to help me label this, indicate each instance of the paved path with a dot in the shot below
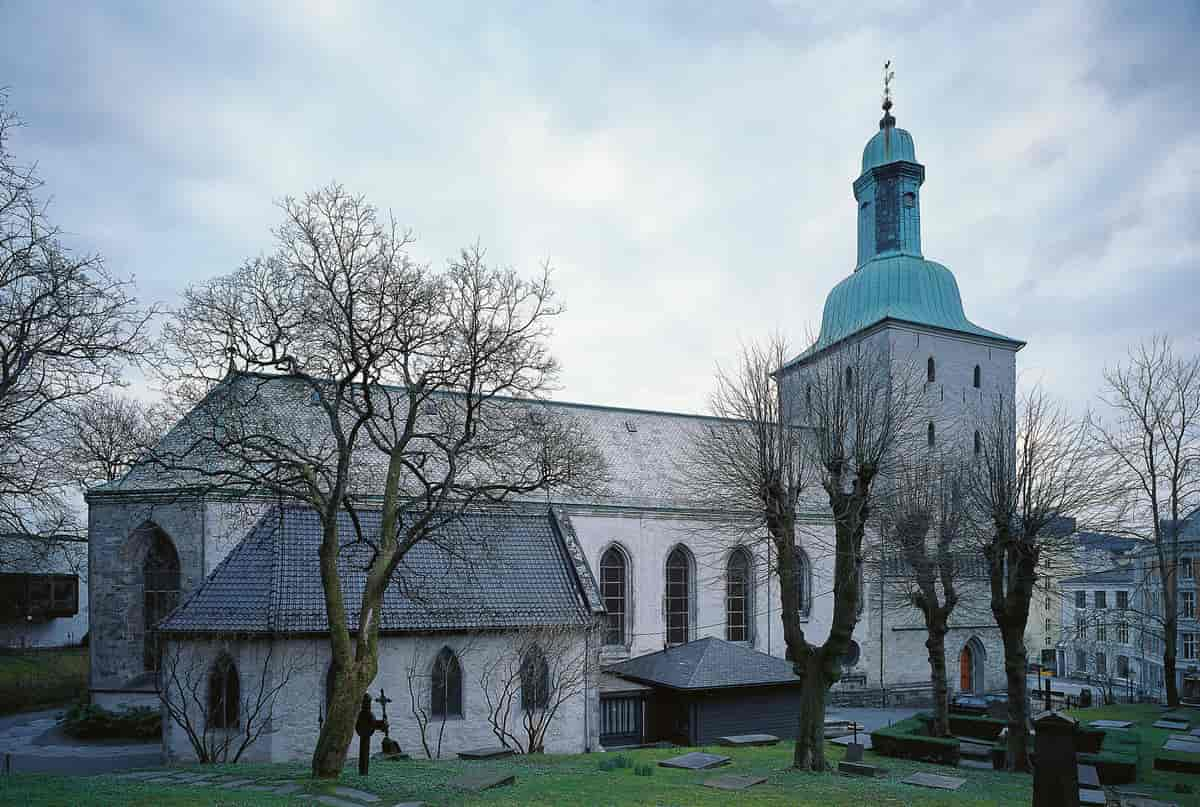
(341, 795)
(29, 744)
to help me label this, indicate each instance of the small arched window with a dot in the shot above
(737, 597)
(614, 577)
(445, 686)
(977, 377)
(978, 443)
(224, 694)
(931, 370)
(932, 436)
(679, 596)
(535, 680)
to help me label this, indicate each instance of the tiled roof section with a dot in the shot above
(641, 448)
(708, 663)
(1118, 576)
(1115, 544)
(481, 570)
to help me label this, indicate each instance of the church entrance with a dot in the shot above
(971, 667)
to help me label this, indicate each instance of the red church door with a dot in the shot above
(964, 670)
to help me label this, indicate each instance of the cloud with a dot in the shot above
(687, 170)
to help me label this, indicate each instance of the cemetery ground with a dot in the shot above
(40, 678)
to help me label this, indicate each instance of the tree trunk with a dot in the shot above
(1017, 758)
(936, 645)
(1169, 650)
(809, 753)
(337, 731)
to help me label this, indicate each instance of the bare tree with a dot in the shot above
(930, 564)
(106, 434)
(67, 328)
(535, 674)
(1154, 442)
(312, 334)
(827, 430)
(1035, 465)
(222, 712)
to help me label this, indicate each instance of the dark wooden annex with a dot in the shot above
(700, 691)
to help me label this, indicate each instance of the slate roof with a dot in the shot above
(482, 570)
(1114, 544)
(1119, 575)
(642, 448)
(708, 663)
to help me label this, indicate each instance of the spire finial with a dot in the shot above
(888, 75)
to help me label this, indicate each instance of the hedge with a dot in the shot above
(87, 722)
(1113, 768)
(1115, 754)
(1177, 762)
(907, 740)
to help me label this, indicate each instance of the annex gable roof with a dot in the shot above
(481, 570)
(708, 663)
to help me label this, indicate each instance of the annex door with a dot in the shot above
(964, 670)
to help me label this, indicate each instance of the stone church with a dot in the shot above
(171, 565)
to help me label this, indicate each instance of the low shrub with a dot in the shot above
(86, 721)
(615, 763)
(644, 770)
(976, 727)
(907, 740)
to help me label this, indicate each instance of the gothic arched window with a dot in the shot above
(535, 680)
(679, 595)
(737, 596)
(932, 436)
(931, 370)
(224, 694)
(445, 686)
(977, 377)
(160, 593)
(978, 443)
(803, 581)
(614, 587)
(849, 377)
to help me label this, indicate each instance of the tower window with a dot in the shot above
(932, 436)
(849, 377)
(978, 443)
(910, 199)
(808, 396)
(931, 370)
(975, 380)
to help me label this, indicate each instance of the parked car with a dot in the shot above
(969, 705)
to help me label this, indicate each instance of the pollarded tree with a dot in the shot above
(106, 434)
(781, 445)
(339, 373)
(1035, 466)
(1154, 444)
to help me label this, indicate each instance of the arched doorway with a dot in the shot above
(971, 665)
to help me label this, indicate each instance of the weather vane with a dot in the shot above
(888, 75)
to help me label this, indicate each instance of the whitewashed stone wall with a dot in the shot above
(294, 725)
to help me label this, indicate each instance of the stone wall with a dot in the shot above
(295, 717)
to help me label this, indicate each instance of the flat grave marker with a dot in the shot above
(478, 781)
(1111, 724)
(1088, 777)
(1089, 796)
(695, 761)
(734, 782)
(742, 740)
(1179, 745)
(935, 780)
(1172, 725)
(355, 793)
(492, 752)
(860, 769)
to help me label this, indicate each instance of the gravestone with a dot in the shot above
(743, 740)
(695, 761)
(1089, 796)
(734, 782)
(492, 752)
(477, 781)
(1056, 773)
(860, 769)
(863, 739)
(934, 780)
(854, 752)
(1111, 724)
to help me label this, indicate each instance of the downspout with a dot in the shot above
(768, 598)
(587, 702)
(882, 571)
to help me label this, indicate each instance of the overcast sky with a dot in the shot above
(686, 167)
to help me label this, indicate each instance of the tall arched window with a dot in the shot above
(445, 686)
(679, 599)
(803, 581)
(224, 694)
(535, 680)
(737, 596)
(978, 442)
(160, 593)
(614, 583)
(931, 436)
(849, 377)
(931, 370)
(977, 377)
(808, 395)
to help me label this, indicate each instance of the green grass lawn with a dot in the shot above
(38, 679)
(1161, 784)
(559, 780)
